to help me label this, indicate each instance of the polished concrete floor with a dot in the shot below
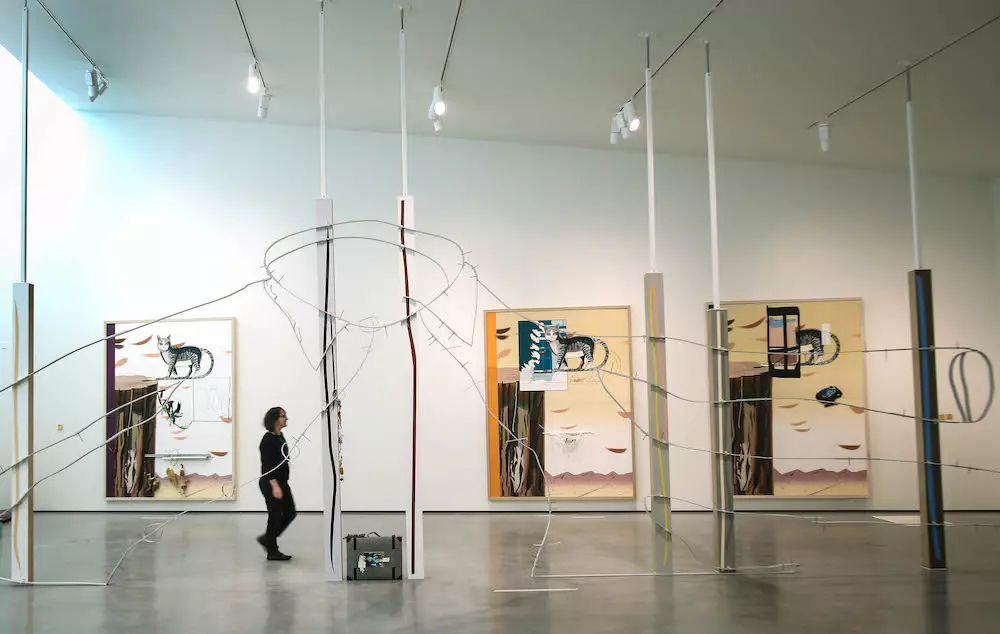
(208, 575)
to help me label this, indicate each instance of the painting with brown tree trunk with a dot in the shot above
(797, 380)
(552, 426)
(170, 390)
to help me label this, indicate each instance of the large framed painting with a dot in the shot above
(170, 391)
(562, 421)
(807, 435)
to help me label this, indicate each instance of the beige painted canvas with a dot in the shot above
(170, 387)
(818, 440)
(556, 403)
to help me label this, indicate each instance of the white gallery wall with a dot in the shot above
(135, 217)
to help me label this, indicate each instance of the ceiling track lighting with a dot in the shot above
(438, 107)
(630, 117)
(435, 119)
(263, 104)
(824, 135)
(628, 109)
(620, 125)
(624, 123)
(254, 80)
(96, 83)
(824, 125)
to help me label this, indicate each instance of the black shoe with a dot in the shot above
(262, 540)
(278, 556)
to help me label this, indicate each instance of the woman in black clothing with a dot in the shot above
(274, 483)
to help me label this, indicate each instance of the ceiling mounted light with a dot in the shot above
(620, 122)
(824, 135)
(263, 104)
(437, 101)
(96, 83)
(615, 131)
(253, 78)
(630, 117)
(434, 118)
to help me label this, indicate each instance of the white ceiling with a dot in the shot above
(553, 71)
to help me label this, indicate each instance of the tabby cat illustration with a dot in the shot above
(814, 338)
(189, 354)
(560, 345)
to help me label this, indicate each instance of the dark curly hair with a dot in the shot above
(271, 417)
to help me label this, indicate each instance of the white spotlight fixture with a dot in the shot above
(434, 118)
(96, 84)
(824, 135)
(622, 126)
(437, 101)
(263, 104)
(630, 117)
(615, 131)
(253, 78)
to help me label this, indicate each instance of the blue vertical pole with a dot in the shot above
(928, 439)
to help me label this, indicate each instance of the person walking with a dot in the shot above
(274, 483)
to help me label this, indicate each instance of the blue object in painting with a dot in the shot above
(532, 350)
(828, 395)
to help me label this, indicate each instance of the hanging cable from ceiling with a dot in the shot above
(97, 83)
(823, 124)
(625, 120)
(438, 106)
(679, 46)
(255, 78)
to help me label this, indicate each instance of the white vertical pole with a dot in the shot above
(327, 293)
(912, 156)
(722, 480)
(22, 566)
(22, 541)
(322, 99)
(414, 546)
(402, 103)
(656, 360)
(331, 427)
(24, 143)
(713, 207)
(650, 160)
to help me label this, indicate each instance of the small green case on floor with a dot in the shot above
(374, 558)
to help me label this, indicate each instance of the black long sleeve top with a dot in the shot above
(272, 457)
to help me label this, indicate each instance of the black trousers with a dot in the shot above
(280, 513)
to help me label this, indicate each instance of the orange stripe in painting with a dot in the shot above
(492, 403)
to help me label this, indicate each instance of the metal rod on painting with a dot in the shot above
(650, 164)
(322, 99)
(912, 158)
(713, 207)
